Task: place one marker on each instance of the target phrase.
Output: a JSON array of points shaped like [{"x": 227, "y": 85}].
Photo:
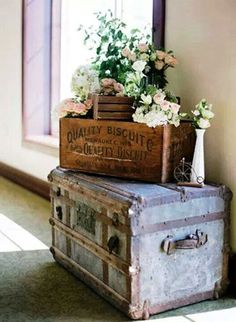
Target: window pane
[
  {"x": 136, "y": 14},
  {"x": 73, "y": 51}
]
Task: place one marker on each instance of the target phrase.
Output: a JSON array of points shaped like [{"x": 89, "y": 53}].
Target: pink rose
[
  {"x": 132, "y": 56},
  {"x": 160, "y": 54},
  {"x": 175, "y": 108},
  {"x": 118, "y": 87},
  {"x": 80, "y": 108},
  {"x": 171, "y": 61},
  {"x": 159, "y": 97},
  {"x": 69, "y": 105},
  {"x": 106, "y": 82},
  {"x": 72, "y": 107},
  {"x": 165, "y": 105},
  {"x": 143, "y": 48},
  {"x": 88, "y": 103},
  {"x": 62, "y": 112},
  {"x": 159, "y": 64},
  {"x": 125, "y": 52}
]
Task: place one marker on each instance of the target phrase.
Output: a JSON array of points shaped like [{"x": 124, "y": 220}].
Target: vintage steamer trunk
[
  {"x": 146, "y": 248},
  {"x": 125, "y": 149}
]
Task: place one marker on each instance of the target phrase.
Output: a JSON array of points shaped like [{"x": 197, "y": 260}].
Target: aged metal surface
[
  {"x": 124, "y": 149},
  {"x": 110, "y": 233},
  {"x": 196, "y": 240},
  {"x": 204, "y": 264}
]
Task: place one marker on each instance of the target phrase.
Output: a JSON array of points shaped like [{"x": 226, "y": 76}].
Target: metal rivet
[
  {"x": 58, "y": 192},
  {"x": 59, "y": 212},
  {"x": 115, "y": 219}
]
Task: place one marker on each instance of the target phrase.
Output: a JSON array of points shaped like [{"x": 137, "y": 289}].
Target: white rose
[
  {"x": 138, "y": 115},
  {"x": 143, "y": 47},
  {"x": 165, "y": 105},
  {"x": 207, "y": 114},
  {"x": 147, "y": 100},
  {"x": 153, "y": 119},
  {"x": 196, "y": 112},
  {"x": 159, "y": 97},
  {"x": 203, "y": 123},
  {"x": 175, "y": 108},
  {"x": 139, "y": 65},
  {"x": 175, "y": 120},
  {"x": 144, "y": 57}
]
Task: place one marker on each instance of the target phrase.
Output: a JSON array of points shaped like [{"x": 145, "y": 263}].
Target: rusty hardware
[
  {"x": 50, "y": 177},
  {"x": 196, "y": 240},
  {"x": 113, "y": 244},
  {"x": 115, "y": 219},
  {"x": 52, "y": 250},
  {"x": 59, "y": 212},
  {"x": 58, "y": 192},
  {"x": 51, "y": 221}
]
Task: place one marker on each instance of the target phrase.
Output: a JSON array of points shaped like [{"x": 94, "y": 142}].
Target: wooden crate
[
  {"x": 112, "y": 108},
  {"x": 145, "y": 248},
  {"x": 124, "y": 149}
]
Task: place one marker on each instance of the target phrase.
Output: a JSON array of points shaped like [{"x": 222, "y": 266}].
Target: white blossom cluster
[
  {"x": 84, "y": 82},
  {"x": 155, "y": 110},
  {"x": 202, "y": 115}
]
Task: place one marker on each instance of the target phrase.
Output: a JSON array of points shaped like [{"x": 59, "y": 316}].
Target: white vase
[{"x": 198, "y": 167}]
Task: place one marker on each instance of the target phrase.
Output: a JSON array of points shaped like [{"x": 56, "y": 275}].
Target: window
[
  {"x": 53, "y": 49},
  {"x": 76, "y": 12}
]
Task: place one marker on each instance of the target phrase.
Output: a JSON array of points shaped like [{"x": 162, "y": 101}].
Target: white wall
[
  {"x": 203, "y": 35},
  {"x": 12, "y": 151}
]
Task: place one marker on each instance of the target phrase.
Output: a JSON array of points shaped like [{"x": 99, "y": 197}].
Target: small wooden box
[
  {"x": 145, "y": 248},
  {"x": 125, "y": 149},
  {"x": 112, "y": 108}
]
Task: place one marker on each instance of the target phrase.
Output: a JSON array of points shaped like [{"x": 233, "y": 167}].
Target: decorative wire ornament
[{"x": 182, "y": 172}]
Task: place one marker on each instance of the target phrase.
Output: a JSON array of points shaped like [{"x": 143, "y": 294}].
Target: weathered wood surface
[
  {"x": 121, "y": 116},
  {"x": 139, "y": 277},
  {"x": 112, "y": 107},
  {"x": 124, "y": 149}
]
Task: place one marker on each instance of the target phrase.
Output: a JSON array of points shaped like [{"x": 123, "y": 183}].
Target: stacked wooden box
[
  {"x": 125, "y": 149},
  {"x": 144, "y": 247}
]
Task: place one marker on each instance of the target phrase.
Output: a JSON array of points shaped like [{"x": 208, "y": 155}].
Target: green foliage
[
  {"x": 116, "y": 50},
  {"x": 109, "y": 39}
]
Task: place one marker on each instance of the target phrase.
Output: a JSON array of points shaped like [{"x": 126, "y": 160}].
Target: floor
[{"x": 35, "y": 288}]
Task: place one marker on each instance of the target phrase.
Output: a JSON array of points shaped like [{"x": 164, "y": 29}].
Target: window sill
[{"x": 43, "y": 143}]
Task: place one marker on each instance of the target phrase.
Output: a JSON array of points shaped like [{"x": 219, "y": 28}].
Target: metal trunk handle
[{"x": 169, "y": 244}]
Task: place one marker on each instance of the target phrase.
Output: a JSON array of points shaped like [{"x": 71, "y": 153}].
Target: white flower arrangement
[
  {"x": 202, "y": 115},
  {"x": 156, "y": 110},
  {"x": 84, "y": 82},
  {"x": 125, "y": 64}
]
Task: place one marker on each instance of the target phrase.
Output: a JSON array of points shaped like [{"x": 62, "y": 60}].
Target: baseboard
[
  {"x": 26, "y": 180},
  {"x": 232, "y": 273}
]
